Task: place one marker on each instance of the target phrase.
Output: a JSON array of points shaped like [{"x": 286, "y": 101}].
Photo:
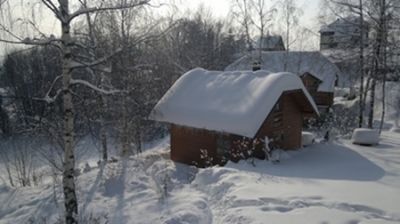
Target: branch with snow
[
  {"x": 98, "y": 9},
  {"x": 51, "y": 99},
  {"x": 28, "y": 41},
  {"x": 77, "y": 65},
  {"x": 47, "y": 98},
  {"x": 95, "y": 88}
]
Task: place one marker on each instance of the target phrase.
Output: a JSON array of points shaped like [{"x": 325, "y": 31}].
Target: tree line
[{"x": 113, "y": 60}]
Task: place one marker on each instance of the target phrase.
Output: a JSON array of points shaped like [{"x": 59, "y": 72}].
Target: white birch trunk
[
  {"x": 362, "y": 31},
  {"x": 70, "y": 200}
]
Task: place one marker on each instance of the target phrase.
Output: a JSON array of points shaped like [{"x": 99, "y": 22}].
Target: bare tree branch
[
  {"x": 90, "y": 85},
  {"x": 50, "y": 5},
  {"x": 78, "y": 65},
  {"x": 98, "y": 9}
]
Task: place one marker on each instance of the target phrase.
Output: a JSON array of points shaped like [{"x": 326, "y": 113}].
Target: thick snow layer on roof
[
  {"x": 295, "y": 62},
  {"x": 234, "y": 102}
]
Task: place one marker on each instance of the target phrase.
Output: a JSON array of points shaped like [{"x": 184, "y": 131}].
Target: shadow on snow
[{"x": 322, "y": 161}]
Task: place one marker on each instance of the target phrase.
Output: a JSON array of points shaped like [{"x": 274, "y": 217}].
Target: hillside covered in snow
[{"x": 334, "y": 182}]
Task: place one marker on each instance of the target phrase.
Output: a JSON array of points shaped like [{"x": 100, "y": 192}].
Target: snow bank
[
  {"x": 307, "y": 138},
  {"x": 325, "y": 183},
  {"x": 295, "y": 62},
  {"x": 364, "y": 136},
  {"x": 235, "y": 102},
  {"x": 395, "y": 129}
]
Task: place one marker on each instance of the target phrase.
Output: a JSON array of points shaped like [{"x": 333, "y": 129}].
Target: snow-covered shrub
[
  {"x": 339, "y": 121},
  {"x": 364, "y": 136},
  {"x": 17, "y": 157},
  {"x": 307, "y": 138},
  {"x": 236, "y": 150},
  {"x": 342, "y": 92},
  {"x": 207, "y": 159},
  {"x": 244, "y": 148}
]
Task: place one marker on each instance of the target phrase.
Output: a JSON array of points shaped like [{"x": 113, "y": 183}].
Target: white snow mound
[
  {"x": 365, "y": 136},
  {"x": 307, "y": 138}
]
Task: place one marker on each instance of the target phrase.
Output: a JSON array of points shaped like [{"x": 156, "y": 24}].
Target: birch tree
[
  {"x": 262, "y": 19},
  {"x": 289, "y": 15},
  {"x": 61, "y": 9},
  {"x": 255, "y": 17},
  {"x": 380, "y": 13},
  {"x": 242, "y": 12},
  {"x": 357, "y": 8}
]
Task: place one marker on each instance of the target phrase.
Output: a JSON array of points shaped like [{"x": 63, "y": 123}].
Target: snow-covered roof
[
  {"x": 233, "y": 102},
  {"x": 344, "y": 26},
  {"x": 297, "y": 62}
]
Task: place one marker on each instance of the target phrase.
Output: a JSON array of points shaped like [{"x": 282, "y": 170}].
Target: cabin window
[
  {"x": 277, "y": 116},
  {"x": 277, "y": 121}
]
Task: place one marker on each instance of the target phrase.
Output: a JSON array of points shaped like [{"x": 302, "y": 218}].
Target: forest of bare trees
[
  {"x": 113, "y": 60},
  {"x": 102, "y": 75}
]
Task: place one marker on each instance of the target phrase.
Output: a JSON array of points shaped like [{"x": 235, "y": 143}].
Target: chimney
[{"x": 256, "y": 66}]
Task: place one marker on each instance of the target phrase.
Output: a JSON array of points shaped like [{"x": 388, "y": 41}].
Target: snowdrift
[{"x": 364, "y": 136}]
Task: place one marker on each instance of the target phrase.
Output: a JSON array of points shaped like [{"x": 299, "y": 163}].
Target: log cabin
[{"x": 214, "y": 114}]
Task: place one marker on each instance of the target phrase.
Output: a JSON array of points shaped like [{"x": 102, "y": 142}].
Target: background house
[
  {"x": 270, "y": 43},
  {"x": 343, "y": 33},
  {"x": 210, "y": 111},
  {"x": 317, "y": 72}
]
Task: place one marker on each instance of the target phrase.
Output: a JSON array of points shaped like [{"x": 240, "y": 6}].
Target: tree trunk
[
  {"x": 361, "y": 104},
  {"x": 383, "y": 102},
  {"x": 384, "y": 33},
  {"x": 125, "y": 131},
  {"x": 379, "y": 58},
  {"x": 366, "y": 88},
  {"x": 138, "y": 137},
  {"x": 70, "y": 200},
  {"x": 372, "y": 105},
  {"x": 103, "y": 136},
  {"x": 101, "y": 99}
]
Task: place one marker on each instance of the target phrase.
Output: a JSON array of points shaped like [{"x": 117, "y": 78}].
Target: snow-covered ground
[{"x": 325, "y": 183}]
